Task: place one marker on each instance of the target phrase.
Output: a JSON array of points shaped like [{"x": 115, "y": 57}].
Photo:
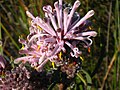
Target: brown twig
[
  {"x": 108, "y": 34},
  {"x": 23, "y": 5},
  {"x": 60, "y": 86},
  {"x": 109, "y": 68}
]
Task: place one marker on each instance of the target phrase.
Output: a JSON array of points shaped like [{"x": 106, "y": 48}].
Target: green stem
[
  {"x": 82, "y": 79},
  {"x": 9, "y": 35}
]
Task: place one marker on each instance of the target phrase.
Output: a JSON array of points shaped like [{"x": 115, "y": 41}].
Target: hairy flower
[{"x": 48, "y": 37}]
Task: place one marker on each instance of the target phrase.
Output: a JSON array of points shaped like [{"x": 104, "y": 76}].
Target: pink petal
[
  {"x": 60, "y": 7},
  {"x": 52, "y": 18},
  {"x": 2, "y": 61},
  {"x": 44, "y": 26},
  {"x": 25, "y": 59},
  {"x": 88, "y": 33},
  {"x": 30, "y": 15},
  {"x": 39, "y": 68},
  {"x": 88, "y": 15},
  {"x": 65, "y": 19},
  {"x": 75, "y": 6},
  {"x": 58, "y": 14}
]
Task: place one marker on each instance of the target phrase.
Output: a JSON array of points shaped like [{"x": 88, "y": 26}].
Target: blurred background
[{"x": 101, "y": 61}]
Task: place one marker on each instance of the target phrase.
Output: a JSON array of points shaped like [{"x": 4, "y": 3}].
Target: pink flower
[
  {"x": 2, "y": 62},
  {"x": 47, "y": 38}
]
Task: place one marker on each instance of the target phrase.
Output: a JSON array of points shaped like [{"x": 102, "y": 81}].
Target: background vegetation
[{"x": 101, "y": 61}]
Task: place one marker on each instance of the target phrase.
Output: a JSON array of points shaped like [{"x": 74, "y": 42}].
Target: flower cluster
[
  {"x": 22, "y": 78},
  {"x": 16, "y": 79},
  {"x": 61, "y": 28}
]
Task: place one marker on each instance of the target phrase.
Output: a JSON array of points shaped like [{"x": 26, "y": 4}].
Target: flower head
[{"x": 48, "y": 37}]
